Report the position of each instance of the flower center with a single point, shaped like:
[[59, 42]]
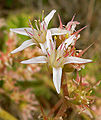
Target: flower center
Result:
[[55, 60]]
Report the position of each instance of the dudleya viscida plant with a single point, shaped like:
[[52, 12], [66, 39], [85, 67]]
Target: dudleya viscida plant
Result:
[[57, 45]]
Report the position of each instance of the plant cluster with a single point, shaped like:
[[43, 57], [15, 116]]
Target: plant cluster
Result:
[[58, 46]]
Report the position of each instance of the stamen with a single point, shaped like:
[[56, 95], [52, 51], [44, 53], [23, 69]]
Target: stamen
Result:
[[55, 37], [36, 24], [58, 58], [61, 46], [72, 51], [30, 24], [42, 15], [67, 35], [48, 54], [59, 61], [39, 23], [65, 46], [51, 44], [28, 33], [44, 26], [66, 54]]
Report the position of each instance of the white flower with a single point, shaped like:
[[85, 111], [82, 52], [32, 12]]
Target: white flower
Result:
[[38, 36], [57, 58]]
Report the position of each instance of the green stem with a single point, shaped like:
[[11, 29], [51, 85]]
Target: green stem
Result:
[[5, 115]]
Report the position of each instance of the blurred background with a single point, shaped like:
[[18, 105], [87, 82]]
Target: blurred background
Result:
[[24, 87]]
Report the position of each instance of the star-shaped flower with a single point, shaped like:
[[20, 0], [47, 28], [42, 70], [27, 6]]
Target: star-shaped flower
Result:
[[38, 35], [58, 57]]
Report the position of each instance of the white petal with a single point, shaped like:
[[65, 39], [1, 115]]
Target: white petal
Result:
[[57, 74], [23, 46], [72, 23], [50, 43], [43, 47], [49, 17], [58, 31], [67, 42], [40, 59], [22, 31], [76, 60]]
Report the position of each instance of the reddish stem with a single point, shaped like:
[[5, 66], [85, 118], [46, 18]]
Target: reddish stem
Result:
[[55, 107]]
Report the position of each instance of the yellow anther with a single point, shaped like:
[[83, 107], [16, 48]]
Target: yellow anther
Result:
[[55, 37], [31, 24], [42, 11], [25, 30], [67, 35]]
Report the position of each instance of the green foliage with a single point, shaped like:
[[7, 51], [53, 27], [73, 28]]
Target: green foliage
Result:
[[9, 3], [18, 21]]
